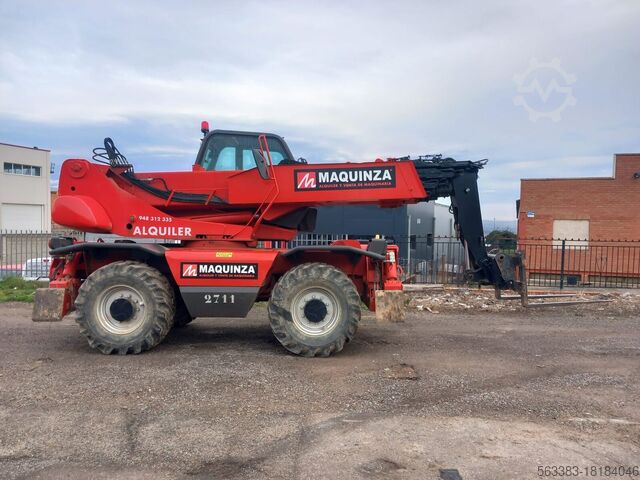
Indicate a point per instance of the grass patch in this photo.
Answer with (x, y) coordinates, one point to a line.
(15, 289)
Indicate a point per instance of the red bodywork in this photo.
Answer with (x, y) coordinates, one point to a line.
(94, 198)
(223, 234)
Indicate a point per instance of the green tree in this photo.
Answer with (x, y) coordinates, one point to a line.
(502, 239)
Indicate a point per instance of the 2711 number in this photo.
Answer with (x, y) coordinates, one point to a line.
(219, 298)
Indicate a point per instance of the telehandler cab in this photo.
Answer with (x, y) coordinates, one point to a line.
(222, 225)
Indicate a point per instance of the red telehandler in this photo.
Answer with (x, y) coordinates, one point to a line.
(221, 224)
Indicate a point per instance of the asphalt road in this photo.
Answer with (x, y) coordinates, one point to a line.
(493, 395)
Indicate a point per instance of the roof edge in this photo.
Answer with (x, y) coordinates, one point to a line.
(564, 179)
(24, 146)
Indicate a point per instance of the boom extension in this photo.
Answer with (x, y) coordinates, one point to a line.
(446, 177)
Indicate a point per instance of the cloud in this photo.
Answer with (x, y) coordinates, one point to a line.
(340, 81)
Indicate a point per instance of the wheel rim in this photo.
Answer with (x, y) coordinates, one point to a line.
(120, 309)
(315, 311)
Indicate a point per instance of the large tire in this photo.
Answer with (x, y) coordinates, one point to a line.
(125, 307)
(314, 310)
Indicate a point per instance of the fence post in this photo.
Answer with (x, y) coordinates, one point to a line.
(562, 265)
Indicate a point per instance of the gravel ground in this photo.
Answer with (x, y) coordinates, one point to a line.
(491, 394)
(439, 299)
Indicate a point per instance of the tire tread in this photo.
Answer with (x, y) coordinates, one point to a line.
(162, 297)
(280, 316)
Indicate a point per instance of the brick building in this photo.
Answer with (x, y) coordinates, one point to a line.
(591, 208)
(597, 217)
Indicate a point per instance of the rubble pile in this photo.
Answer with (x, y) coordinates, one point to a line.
(449, 299)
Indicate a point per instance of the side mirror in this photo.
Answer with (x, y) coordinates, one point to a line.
(261, 163)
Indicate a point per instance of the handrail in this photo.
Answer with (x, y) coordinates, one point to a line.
(266, 154)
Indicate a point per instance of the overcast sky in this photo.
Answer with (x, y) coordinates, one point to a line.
(340, 80)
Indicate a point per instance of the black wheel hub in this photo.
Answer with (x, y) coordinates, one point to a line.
(121, 310)
(315, 310)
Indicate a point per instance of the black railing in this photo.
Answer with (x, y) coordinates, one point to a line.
(433, 260)
(25, 253)
(567, 263)
(556, 263)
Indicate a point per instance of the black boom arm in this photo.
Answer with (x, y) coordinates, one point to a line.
(446, 177)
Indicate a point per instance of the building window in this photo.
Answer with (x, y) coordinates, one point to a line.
(575, 233)
(20, 169)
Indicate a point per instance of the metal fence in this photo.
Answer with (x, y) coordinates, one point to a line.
(305, 239)
(582, 263)
(553, 263)
(433, 260)
(25, 253)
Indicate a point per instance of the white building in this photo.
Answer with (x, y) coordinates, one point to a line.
(25, 199)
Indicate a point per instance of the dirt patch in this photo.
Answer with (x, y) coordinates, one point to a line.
(492, 394)
(401, 372)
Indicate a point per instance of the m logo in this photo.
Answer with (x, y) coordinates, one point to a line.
(377, 175)
(242, 271)
(189, 270)
(306, 180)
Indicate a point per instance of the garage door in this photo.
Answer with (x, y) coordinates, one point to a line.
(16, 216)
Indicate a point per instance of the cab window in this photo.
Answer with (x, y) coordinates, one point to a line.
(224, 152)
(226, 159)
